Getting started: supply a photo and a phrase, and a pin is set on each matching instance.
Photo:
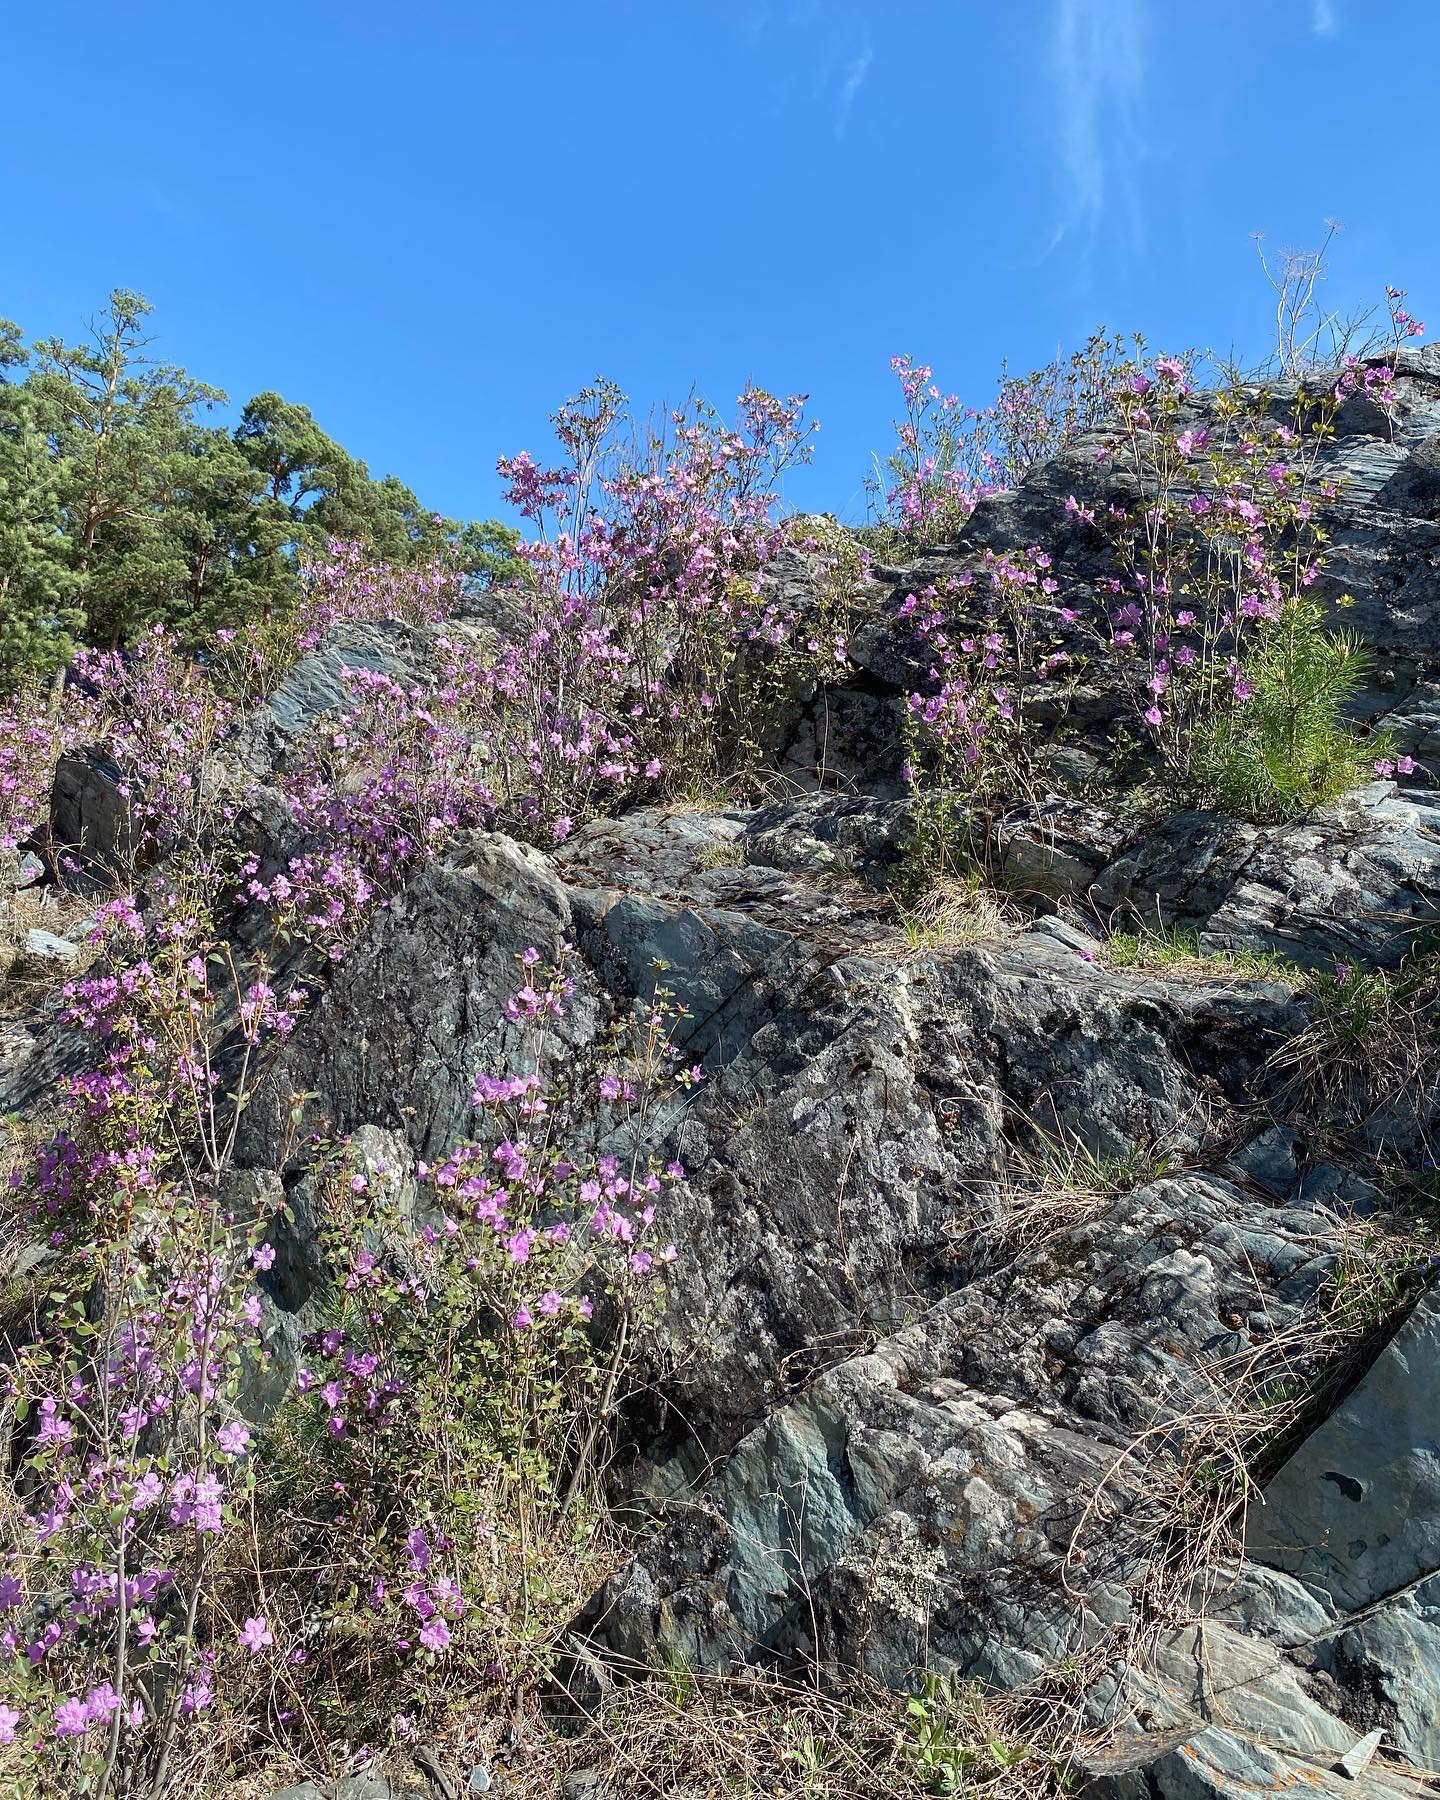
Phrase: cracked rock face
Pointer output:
(1378, 1454)
(901, 1421)
(1354, 1515)
(983, 1235)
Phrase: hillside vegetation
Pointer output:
(697, 1151)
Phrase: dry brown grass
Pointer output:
(679, 1736)
(952, 914)
(684, 1738)
(1373, 1043)
(43, 909)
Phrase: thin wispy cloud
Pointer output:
(1324, 21)
(852, 80)
(1098, 61)
(832, 65)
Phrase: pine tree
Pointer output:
(114, 419)
(37, 616)
(120, 508)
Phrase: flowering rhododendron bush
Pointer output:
(648, 555)
(1236, 681)
(346, 584)
(650, 649)
(128, 1456)
(949, 456)
(157, 720)
(462, 1340)
(403, 1514)
(211, 1535)
(33, 737)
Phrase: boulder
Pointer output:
(1214, 1764)
(1355, 1513)
(42, 953)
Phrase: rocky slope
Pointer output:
(998, 1247)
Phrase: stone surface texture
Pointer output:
(917, 1403)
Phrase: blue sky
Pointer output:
(431, 222)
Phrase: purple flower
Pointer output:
(435, 1634)
(417, 1595)
(196, 1697)
(101, 1701)
(71, 1719)
(9, 1720)
(233, 1439)
(255, 1634)
(53, 1429)
(149, 1490)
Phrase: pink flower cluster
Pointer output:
(134, 1453)
(983, 642)
(949, 456)
(159, 719)
(32, 740)
(1223, 538)
(349, 1386)
(347, 583)
(645, 592)
(943, 464)
(493, 1272)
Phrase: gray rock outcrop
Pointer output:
(996, 1255)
